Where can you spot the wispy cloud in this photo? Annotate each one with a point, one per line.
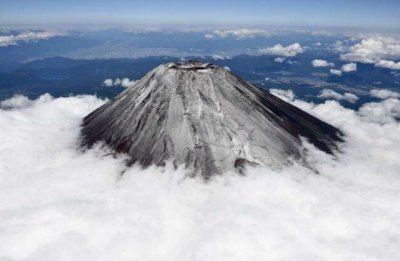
(33, 36)
(279, 59)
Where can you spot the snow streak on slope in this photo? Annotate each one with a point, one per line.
(57, 203)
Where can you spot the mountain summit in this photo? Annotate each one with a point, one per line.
(205, 117)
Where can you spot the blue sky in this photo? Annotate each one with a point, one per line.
(350, 13)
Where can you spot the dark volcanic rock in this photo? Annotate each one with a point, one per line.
(206, 118)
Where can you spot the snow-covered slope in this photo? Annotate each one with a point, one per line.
(206, 118)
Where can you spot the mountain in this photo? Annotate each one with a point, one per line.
(205, 117)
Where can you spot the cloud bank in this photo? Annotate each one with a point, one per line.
(7, 40)
(285, 51)
(59, 203)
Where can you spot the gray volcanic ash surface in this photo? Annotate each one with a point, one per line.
(205, 117)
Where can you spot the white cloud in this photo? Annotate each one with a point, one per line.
(7, 40)
(384, 94)
(220, 57)
(18, 101)
(376, 50)
(280, 50)
(287, 95)
(349, 67)
(108, 82)
(331, 94)
(335, 72)
(387, 111)
(373, 49)
(321, 63)
(59, 203)
(279, 59)
(125, 82)
(117, 82)
(388, 64)
(350, 97)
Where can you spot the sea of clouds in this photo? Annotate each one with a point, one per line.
(61, 203)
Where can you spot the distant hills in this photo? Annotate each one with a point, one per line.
(62, 76)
